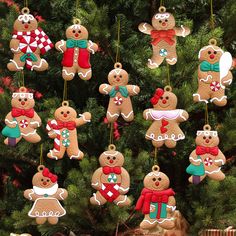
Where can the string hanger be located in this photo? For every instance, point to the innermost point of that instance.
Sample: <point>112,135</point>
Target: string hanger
<point>118,40</point>
<point>26,3</point>
<point>41,155</point>
<point>212,22</point>
<point>161,3</point>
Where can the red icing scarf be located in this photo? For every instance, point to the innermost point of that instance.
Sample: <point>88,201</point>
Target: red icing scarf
<point>159,35</point>
<point>201,150</point>
<point>16,112</point>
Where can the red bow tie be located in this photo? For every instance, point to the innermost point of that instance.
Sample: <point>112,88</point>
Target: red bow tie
<point>158,93</point>
<point>69,125</point>
<point>16,112</point>
<point>107,170</point>
<point>159,35</point>
<point>48,174</point>
<point>201,150</point>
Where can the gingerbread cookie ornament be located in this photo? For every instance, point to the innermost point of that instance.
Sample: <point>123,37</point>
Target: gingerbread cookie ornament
<point>28,43</point>
<point>46,195</point>
<point>157,201</point>
<point>76,52</point>
<point>163,34</point>
<point>63,130</point>
<point>119,92</point>
<point>166,118</point>
<point>213,74</point>
<point>22,121</point>
<point>206,159</point>
<point>111,180</point>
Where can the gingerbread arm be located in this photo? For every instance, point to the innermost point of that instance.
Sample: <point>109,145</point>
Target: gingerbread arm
<point>171,204</point>
<point>147,114</point>
<point>183,116</point>
<point>227,80</point>
<point>182,31</point>
<point>61,194</point>
<point>92,47</point>
<point>14,46</point>
<point>35,121</point>
<point>96,179</point>
<point>61,46</point>
<point>30,194</point>
<point>125,181</point>
<point>220,159</point>
<point>194,159</point>
<point>105,89</point>
<point>84,118</point>
<point>133,90</point>
<point>204,76</point>
<point>145,28</point>
<point>9,121</point>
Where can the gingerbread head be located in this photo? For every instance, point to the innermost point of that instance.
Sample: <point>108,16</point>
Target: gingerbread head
<point>65,114</point>
<point>45,194</point>
<point>118,76</point>
<point>77,32</point>
<point>157,201</point>
<point>163,21</point>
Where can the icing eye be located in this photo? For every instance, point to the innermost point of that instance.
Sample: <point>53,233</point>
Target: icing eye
<point>79,31</point>
<point>108,158</point>
<point>68,112</point>
<point>210,137</point>
<point>62,112</point>
<point>159,179</point>
<point>25,99</point>
<point>48,180</point>
<point>22,22</point>
<point>42,180</point>
<point>161,98</point>
<point>120,76</point>
<point>204,137</point>
<point>154,179</point>
<point>167,98</point>
<point>215,52</point>
<point>166,20</point>
<point>160,21</point>
<point>114,158</point>
<point>28,22</point>
<point>73,31</point>
<point>114,76</point>
<point>209,52</point>
<point>19,99</point>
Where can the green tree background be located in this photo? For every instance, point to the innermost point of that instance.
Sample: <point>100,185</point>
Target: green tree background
<point>209,205</point>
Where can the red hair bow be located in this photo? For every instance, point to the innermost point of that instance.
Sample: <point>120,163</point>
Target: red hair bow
<point>48,174</point>
<point>159,92</point>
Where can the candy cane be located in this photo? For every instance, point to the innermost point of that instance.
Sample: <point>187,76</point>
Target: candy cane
<point>57,131</point>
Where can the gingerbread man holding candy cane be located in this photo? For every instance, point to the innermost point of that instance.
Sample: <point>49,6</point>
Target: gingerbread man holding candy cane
<point>163,33</point>
<point>76,52</point>
<point>119,92</point>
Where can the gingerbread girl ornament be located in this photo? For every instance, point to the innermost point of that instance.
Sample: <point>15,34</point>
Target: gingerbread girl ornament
<point>111,180</point>
<point>213,74</point>
<point>22,121</point>
<point>163,34</point>
<point>166,118</point>
<point>28,42</point>
<point>206,159</point>
<point>76,52</point>
<point>46,195</point>
<point>157,201</point>
<point>63,130</point>
<point>119,92</point>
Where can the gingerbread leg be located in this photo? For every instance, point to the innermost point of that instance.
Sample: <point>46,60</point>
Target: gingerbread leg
<point>217,176</point>
<point>16,64</point>
<point>171,57</point>
<point>39,65</point>
<point>97,199</point>
<point>52,220</point>
<point>122,200</point>
<point>12,141</point>
<point>194,179</point>
<point>167,223</point>
<point>155,61</point>
<point>85,74</point>
<point>113,112</point>
<point>219,98</point>
<point>148,223</point>
<point>55,154</point>
<point>201,97</point>
<point>68,73</point>
<point>33,138</point>
<point>170,143</point>
<point>41,220</point>
<point>74,153</point>
<point>157,143</point>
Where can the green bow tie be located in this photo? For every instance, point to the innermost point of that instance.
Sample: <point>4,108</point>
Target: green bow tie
<point>72,43</point>
<point>122,89</point>
<point>206,66</point>
<point>28,55</point>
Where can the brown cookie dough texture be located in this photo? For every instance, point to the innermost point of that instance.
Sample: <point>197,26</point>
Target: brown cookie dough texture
<point>111,180</point>
<point>63,130</point>
<point>76,52</point>
<point>28,43</point>
<point>207,158</point>
<point>166,118</point>
<point>119,91</point>
<point>22,121</point>
<point>163,34</point>
<point>46,195</point>
<point>213,74</point>
<point>157,201</point>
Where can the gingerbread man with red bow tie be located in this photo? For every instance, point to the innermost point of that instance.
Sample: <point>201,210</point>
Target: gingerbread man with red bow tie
<point>163,34</point>
<point>63,130</point>
<point>22,121</point>
<point>206,159</point>
<point>111,180</point>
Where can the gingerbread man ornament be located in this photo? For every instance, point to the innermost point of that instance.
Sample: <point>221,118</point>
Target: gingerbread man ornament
<point>166,118</point>
<point>119,92</point>
<point>76,52</point>
<point>22,121</point>
<point>111,180</point>
<point>163,34</point>
<point>63,130</point>
<point>207,158</point>
<point>157,201</point>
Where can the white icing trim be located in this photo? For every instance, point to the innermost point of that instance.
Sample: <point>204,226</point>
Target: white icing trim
<point>127,115</point>
<point>199,98</point>
<point>144,28</point>
<point>60,45</point>
<point>122,201</point>
<point>166,219</point>
<point>218,99</point>
<point>94,184</point>
<point>55,157</point>
<point>23,95</point>
<point>15,50</point>
<point>90,42</point>
<point>152,63</point>
<point>25,17</point>
<point>40,64</point>
<point>32,192</point>
<point>207,78</point>
<point>207,133</point>
<point>104,89</point>
<point>171,60</point>
<point>76,156</point>
<point>148,113</point>
<point>171,207</point>
<point>198,160</point>
<point>71,73</point>
<point>149,222</point>
<point>75,26</point>
<point>112,115</point>
<point>229,81</point>
<point>62,191</point>
<point>35,122</point>
<point>83,117</point>
<point>154,173</point>
<point>11,122</point>
<point>183,31</point>
<point>110,154</point>
<point>117,71</point>
<point>28,134</point>
<point>209,46</point>
<point>214,171</point>
<point>222,162</point>
<point>162,16</point>
<point>50,191</point>
<point>95,197</point>
<point>134,87</point>
<point>166,137</point>
<point>84,75</point>
<point>124,189</point>
<point>181,115</point>
<point>19,68</point>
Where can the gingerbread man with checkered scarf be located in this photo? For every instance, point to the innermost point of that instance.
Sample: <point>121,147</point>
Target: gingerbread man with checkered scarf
<point>119,92</point>
<point>207,158</point>
<point>213,74</point>
<point>22,121</point>
<point>62,129</point>
<point>111,180</point>
<point>28,43</point>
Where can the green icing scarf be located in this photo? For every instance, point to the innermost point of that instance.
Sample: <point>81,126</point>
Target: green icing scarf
<point>72,43</point>
<point>206,66</point>
<point>122,89</point>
